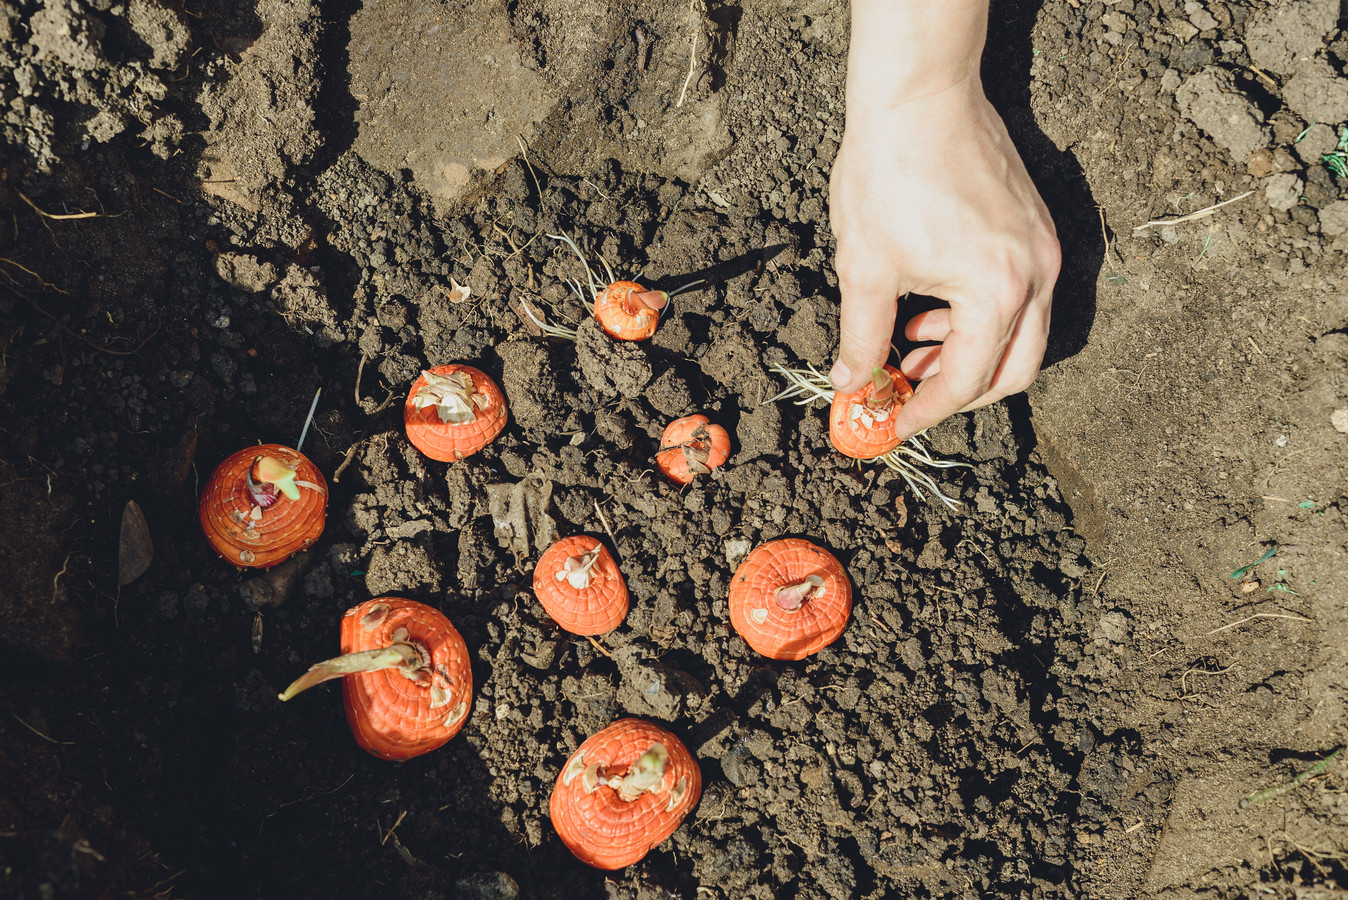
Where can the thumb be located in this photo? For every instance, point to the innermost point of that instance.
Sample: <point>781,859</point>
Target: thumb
<point>866,326</point>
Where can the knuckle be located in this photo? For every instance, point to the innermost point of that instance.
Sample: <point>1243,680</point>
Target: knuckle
<point>1008,301</point>
<point>852,268</point>
<point>1050,259</point>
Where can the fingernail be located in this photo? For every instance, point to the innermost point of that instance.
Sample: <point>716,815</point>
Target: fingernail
<point>840,374</point>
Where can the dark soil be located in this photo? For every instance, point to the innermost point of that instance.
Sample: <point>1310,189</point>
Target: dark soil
<point>1058,690</point>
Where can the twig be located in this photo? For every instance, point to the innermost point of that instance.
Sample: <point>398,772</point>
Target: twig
<point>1104,233</point>
<point>1262,796</point>
<point>1282,459</point>
<point>1258,616</point>
<point>79,337</point>
<point>692,64</point>
<point>524,154</point>
<point>56,580</point>
<point>346,460</point>
<point>304,432</point>
<point>392,828</point>
<point>360,369</point>
<point>608,531</point>
<point>1194,215</point>
<point>1264,76</point>
<point>598,646</point>
<point>40,734</point>
<point>314,794</point>
<point>1184,685</point>
<point>47,215</point>
<point>45,284</point>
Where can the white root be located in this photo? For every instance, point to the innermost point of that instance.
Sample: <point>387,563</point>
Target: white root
<point>809,385</point>
<point>596,288</point>
<point>589,273</point>
<point>899,458</point>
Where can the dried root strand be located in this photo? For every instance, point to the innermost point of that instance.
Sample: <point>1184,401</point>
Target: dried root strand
<point>906,459</point>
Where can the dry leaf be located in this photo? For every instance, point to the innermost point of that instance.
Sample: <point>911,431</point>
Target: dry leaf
<point>519,514</point>
<point>136,550</point>
<point>526,317</point>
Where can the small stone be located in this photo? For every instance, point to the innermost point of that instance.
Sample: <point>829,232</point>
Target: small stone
<point>1288,33</point>
<point>1169,234</point>
<point>65,31</point>
<point>1260,164</point>
<point>1182,29</point>
<point>1111,629</point>
<point>1203,20</point>
<point>1194,56</point>
<point>1212,101</point>
<point>735,550</point>
<point>1318,140</point>
<point>1339,419</point>
<point>1071,567</point>
<point>246,272</point>
<point>1284,162</point>
<point>1320,190</point>
<point>1334,218</point>
<point>1282,191</point>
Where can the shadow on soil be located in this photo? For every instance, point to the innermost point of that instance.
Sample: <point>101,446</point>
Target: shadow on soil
<point>1057,174</point>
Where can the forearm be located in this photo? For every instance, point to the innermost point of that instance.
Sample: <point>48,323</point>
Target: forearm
<point>906,50</point>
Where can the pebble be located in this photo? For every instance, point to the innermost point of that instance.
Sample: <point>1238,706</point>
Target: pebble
<point>1203,20</point>
<point>1334,218</point>
<point>1182,29</point>
<point>1282,191</point>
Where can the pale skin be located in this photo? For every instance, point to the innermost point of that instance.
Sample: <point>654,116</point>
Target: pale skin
<point>928,195</point>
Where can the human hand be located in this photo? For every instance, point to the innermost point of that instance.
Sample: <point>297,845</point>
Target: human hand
<point>931,197</point>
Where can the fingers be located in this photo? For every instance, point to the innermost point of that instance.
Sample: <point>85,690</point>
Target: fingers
<point>932,325</point>
<point>866,325</point>
<point>968,362</point>
<point>1024,353</point>
<point>1014,362</point>
<point>924,362</point>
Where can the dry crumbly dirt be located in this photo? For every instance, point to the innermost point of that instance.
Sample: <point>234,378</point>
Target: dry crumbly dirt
<point>1058,690</point>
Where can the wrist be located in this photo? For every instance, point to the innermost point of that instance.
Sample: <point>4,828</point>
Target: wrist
<point>905,54</point>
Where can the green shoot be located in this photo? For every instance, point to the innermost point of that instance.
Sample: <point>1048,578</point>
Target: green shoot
<point>1244,570</point>
<point>1336,160</point>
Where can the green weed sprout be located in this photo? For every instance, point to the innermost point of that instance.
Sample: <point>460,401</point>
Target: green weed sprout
<point>1336,160</point>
